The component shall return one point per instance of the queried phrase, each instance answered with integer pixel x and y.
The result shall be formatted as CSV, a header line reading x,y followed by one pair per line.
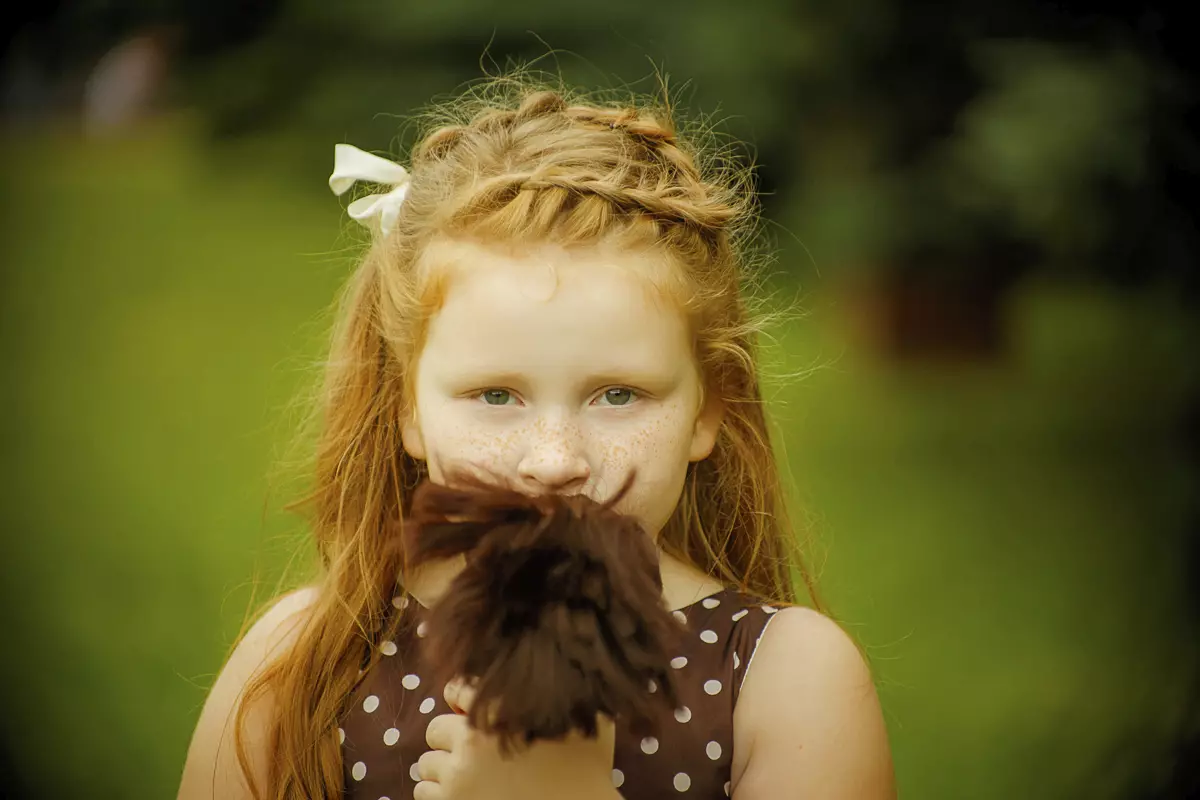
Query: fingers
x,y
459,696
433,765
428,790
445,731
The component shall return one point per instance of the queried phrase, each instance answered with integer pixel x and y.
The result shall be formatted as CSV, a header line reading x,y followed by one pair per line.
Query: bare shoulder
x,y
808,717
212,768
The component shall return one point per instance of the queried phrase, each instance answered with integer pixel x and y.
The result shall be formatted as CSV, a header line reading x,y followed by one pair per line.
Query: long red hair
x,y
512,160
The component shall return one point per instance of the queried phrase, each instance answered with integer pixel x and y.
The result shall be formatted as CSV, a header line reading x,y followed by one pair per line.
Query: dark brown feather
x,y
557,616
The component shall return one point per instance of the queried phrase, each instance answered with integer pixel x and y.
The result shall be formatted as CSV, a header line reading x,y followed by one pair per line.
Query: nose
x,y
554,462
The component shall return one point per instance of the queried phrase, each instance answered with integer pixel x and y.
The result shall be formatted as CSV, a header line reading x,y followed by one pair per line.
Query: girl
x,y
551,299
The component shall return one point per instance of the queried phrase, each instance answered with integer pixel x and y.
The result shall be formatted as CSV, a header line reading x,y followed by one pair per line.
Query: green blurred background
x,y
988,406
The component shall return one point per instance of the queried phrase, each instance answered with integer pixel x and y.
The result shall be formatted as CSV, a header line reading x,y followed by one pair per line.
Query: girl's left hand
x,y
466,764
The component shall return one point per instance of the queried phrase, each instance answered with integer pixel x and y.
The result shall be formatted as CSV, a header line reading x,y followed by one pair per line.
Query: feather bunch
x,y
557,616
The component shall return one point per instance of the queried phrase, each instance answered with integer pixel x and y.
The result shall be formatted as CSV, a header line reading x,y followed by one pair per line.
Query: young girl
x,y
550,298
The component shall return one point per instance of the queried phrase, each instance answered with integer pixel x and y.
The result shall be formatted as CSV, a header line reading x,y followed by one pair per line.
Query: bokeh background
x,y
988,404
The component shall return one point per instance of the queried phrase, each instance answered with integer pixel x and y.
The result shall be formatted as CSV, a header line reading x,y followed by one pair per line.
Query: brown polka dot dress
x,y
383,732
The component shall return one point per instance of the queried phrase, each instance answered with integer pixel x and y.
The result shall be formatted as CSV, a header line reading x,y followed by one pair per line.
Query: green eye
x,y
619,397
497,397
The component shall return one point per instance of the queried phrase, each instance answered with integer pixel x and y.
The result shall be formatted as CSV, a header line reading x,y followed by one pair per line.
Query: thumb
x,y
460,696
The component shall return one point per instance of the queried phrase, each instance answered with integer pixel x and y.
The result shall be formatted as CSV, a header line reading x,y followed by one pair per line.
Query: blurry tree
x,y
938,152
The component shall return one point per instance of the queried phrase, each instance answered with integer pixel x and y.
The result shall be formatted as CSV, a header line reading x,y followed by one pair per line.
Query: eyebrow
x,y
639,375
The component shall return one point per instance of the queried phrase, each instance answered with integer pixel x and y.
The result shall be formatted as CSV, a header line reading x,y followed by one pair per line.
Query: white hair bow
x,y
351,165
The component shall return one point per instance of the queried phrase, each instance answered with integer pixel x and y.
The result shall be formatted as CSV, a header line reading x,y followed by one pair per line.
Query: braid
x,y
628,120
664,183
540,104
671,203
437,145
676,203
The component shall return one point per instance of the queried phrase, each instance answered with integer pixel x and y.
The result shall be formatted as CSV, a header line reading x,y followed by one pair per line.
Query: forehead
x,y
549,306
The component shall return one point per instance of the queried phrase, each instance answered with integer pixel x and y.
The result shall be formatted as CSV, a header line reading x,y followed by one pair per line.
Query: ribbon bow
x,y
351,165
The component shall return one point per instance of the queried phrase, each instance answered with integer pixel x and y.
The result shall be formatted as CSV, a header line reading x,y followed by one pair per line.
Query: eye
x,y
496,397
619,396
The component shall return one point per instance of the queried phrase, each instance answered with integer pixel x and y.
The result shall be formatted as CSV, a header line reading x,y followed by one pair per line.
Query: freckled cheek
x,y
658,457
495,452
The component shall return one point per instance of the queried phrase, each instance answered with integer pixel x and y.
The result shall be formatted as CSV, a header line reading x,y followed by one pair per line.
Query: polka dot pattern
x,y
689,751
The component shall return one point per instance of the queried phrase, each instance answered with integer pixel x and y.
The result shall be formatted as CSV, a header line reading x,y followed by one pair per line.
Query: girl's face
x,y
560,371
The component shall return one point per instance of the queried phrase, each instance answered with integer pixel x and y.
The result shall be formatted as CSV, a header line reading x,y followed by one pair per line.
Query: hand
x,y
466,764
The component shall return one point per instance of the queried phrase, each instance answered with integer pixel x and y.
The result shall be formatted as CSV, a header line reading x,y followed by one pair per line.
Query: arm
x,y
809,717
212,769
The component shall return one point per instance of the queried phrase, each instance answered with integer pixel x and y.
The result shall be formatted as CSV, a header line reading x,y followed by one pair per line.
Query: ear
x,y
708,425
410,436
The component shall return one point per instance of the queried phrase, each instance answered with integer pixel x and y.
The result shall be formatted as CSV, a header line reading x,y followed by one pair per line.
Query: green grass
x,y
1003,540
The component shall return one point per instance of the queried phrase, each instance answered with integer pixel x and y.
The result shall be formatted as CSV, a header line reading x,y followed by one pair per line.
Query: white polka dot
x,y
708,636
653,687
727,788
737,661
770,609
358,771
388,648
391,736
410,682
370,704
649,745
712,687
679,662
713,750
618,778
710,602
341,736
412,772
682,782
427,705
683,713
740,614
400,602
679,615
422,629
385,798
